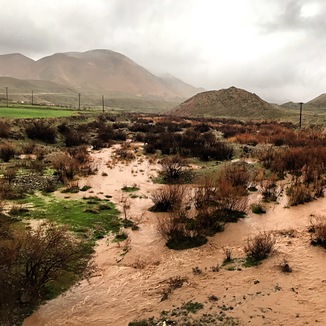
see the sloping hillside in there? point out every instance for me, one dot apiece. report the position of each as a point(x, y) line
point(232, 103)
point(23, 86)
point(98, 71)
point(318, 102)
point(15, 65)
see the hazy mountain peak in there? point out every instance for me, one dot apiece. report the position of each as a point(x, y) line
point(98, 70)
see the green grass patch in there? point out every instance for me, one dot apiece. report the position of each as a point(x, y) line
point(258, 209)
point(237, 264)
point(28, 112)
point(91, 218)
point(186, 242)
point(192, 307)
point(130, 189)
point(251, 262)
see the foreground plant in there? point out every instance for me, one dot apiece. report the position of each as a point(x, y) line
point(260, 246)
point(318, 230)
point(37, 264)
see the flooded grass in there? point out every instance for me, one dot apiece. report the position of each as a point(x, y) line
point(92, 218)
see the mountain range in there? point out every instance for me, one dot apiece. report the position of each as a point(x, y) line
point(95, 71)
point(59, 78)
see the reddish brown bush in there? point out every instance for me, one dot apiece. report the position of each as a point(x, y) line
point(66, 166)
point(168, 198)
point(7, 151)
point(4, 129)
point(260, 246)
point(318, 230)
point(41, 130)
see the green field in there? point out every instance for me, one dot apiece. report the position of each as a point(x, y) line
point(28, 112)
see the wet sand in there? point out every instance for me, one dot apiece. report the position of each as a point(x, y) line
point(128, 287)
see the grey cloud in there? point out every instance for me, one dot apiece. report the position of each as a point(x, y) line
point(290, 18)
point(157, 34)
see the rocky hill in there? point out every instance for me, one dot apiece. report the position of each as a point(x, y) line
point(231, 103)
point(97, 71)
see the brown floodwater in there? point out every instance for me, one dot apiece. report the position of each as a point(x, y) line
point(128, 287)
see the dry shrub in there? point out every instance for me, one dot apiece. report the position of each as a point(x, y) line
point(318, 229)
point(2, 205)
point(173, 283)
point(260, 246)
point(172, 225)
point(8, 191)
point(80, 153)
point(300, 194)
point(32, 261)
point(206, 193)
point(125, 152)
point(28, 147)
point(174, 169)
point(66, 166)
point(4, 129)
point(231, 198)
point(236, 174)
point(74, 137)
point(41, 130)
point(269, 189)
point(40, 152)
point(10, 174)
point(7, 151)
point(218, 202)
point(168, 198)
point(174, 229)
point(37, 166)
point(285, 266)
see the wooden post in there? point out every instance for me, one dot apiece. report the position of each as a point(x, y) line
point(103, 103)
point(7, 100)
point(32, 97)
point(78, 101)
point(300, 122)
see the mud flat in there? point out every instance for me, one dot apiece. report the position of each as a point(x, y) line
point(132, 277)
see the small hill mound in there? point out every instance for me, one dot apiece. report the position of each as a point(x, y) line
point(229, 103)
point(291, 105)
point(318, 102)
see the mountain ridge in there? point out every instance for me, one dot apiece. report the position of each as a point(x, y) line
point(92, 71)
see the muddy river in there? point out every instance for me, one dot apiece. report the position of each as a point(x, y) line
point(128, 287)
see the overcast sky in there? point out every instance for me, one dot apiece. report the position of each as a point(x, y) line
point(274, 48)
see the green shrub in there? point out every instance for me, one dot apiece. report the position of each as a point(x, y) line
point(258, 209)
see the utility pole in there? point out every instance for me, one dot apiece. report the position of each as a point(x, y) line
point(32, 97)
point(7, 96)
point(103, 102)
point(78, 101)
point(300, 122)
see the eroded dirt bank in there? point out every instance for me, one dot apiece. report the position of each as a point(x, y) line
point(128, 287)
